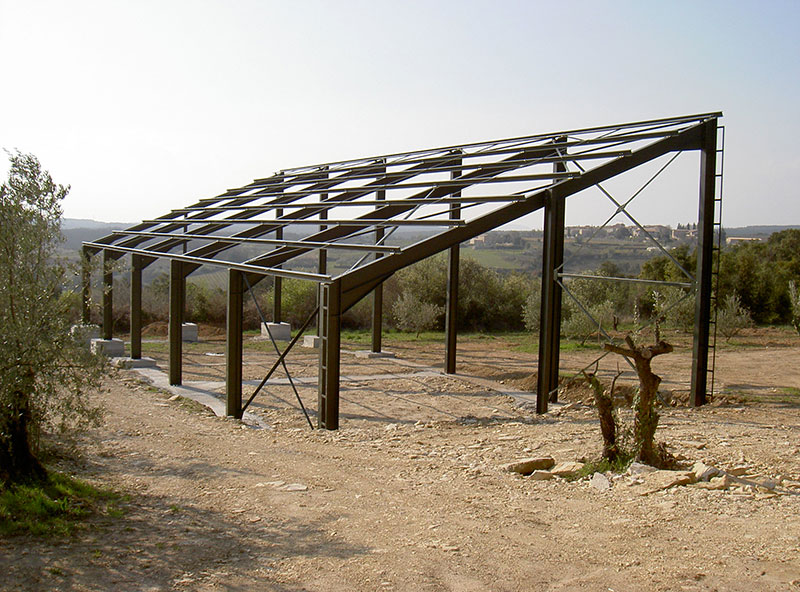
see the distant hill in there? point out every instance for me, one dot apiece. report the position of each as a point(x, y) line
point(755, 231)
point(76, 230)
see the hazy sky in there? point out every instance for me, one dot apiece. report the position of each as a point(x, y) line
point(144, 105)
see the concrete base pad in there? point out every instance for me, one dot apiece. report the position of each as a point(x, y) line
point(113, 348)
point(279, 331)
point(189, 332)
point(311, 341)
point(131, 363)
point(367, 354)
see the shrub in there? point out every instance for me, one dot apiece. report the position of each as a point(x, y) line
point(413, 315)
point(732, 317)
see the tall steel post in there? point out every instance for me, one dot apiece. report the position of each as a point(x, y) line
point(377, 294)
point(177, 304)
point(705, 255)
point(233, 344)
point(136, 306)
point(278, 282)
point(550, 319)
point(108, 295)
point(451, 303)
point(86, 285)
point(329, 355)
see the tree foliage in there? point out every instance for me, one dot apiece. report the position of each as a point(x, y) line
point(43, 371)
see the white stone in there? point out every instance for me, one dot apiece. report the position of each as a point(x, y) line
point(541, 475)
point(311, 341)
point(112, 348)
point(600, 482)
point(85, 333)
point(704, 472)
point(566, 469)
point(279, 331)
point(637, 468)
point(189, 332)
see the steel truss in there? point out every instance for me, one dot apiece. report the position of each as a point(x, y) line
point(452, 194)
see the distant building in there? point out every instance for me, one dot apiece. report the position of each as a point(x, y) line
point(737, 240)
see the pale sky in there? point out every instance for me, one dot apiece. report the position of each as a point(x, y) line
point(144, 105)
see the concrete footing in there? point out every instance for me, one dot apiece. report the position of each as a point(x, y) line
point(131, 363)
point(279, 331)
point(112, 348)
point(367, 354)
point(311, 341)
point(189, 332)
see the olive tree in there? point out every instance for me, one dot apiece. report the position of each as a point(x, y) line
point(43, 371)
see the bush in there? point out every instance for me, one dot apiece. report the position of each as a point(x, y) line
point(413, 315)
point(732, 317)
point(579, 326)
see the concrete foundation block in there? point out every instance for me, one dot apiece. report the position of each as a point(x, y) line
point(112, 348)
point(279, 331)
point(311, 341)
point(189, 332)
point(367, 354)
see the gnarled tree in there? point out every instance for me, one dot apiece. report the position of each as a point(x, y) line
point(43, 371)
point(645, 415)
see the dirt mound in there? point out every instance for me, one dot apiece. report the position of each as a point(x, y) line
point(157, 329)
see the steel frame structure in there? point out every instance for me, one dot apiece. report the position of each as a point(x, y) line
point(460, 191)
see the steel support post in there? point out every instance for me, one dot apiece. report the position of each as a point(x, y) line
point(136, 306)
point(329, 353)
point(233, 344)
point(550, 319)
point(705, 255)
point(377, 294)
point(451, 304)
point(322, 267)
point(277, 285)
point(177, 304)
point(86, 285)
point(108, 295)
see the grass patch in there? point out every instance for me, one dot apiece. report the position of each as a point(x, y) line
point(55, 506)
point(603, 466)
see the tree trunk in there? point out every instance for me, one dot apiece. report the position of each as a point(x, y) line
point(17, 461)
point(646, 416)
point(605, 410)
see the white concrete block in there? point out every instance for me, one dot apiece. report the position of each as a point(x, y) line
point(131, 363)
point(189, 332)
point(112, 348)
point(279, 331)
point(85, 333)
point(311, 341)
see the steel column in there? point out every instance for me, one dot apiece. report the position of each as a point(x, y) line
point(451, 304)
point(233, 344)
point(377, 294)
point(136, 306)
point(86, 285)
point(705, 254)
point(329, 354)
point(277, 285)
point(550, 317)
point(108, 295)
point(177, 304)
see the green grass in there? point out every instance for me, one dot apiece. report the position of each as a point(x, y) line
point(603, 466)
point(55, 507)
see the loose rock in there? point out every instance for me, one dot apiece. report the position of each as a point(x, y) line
point(600, 482)
point(566, 469)
point(529, 465)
